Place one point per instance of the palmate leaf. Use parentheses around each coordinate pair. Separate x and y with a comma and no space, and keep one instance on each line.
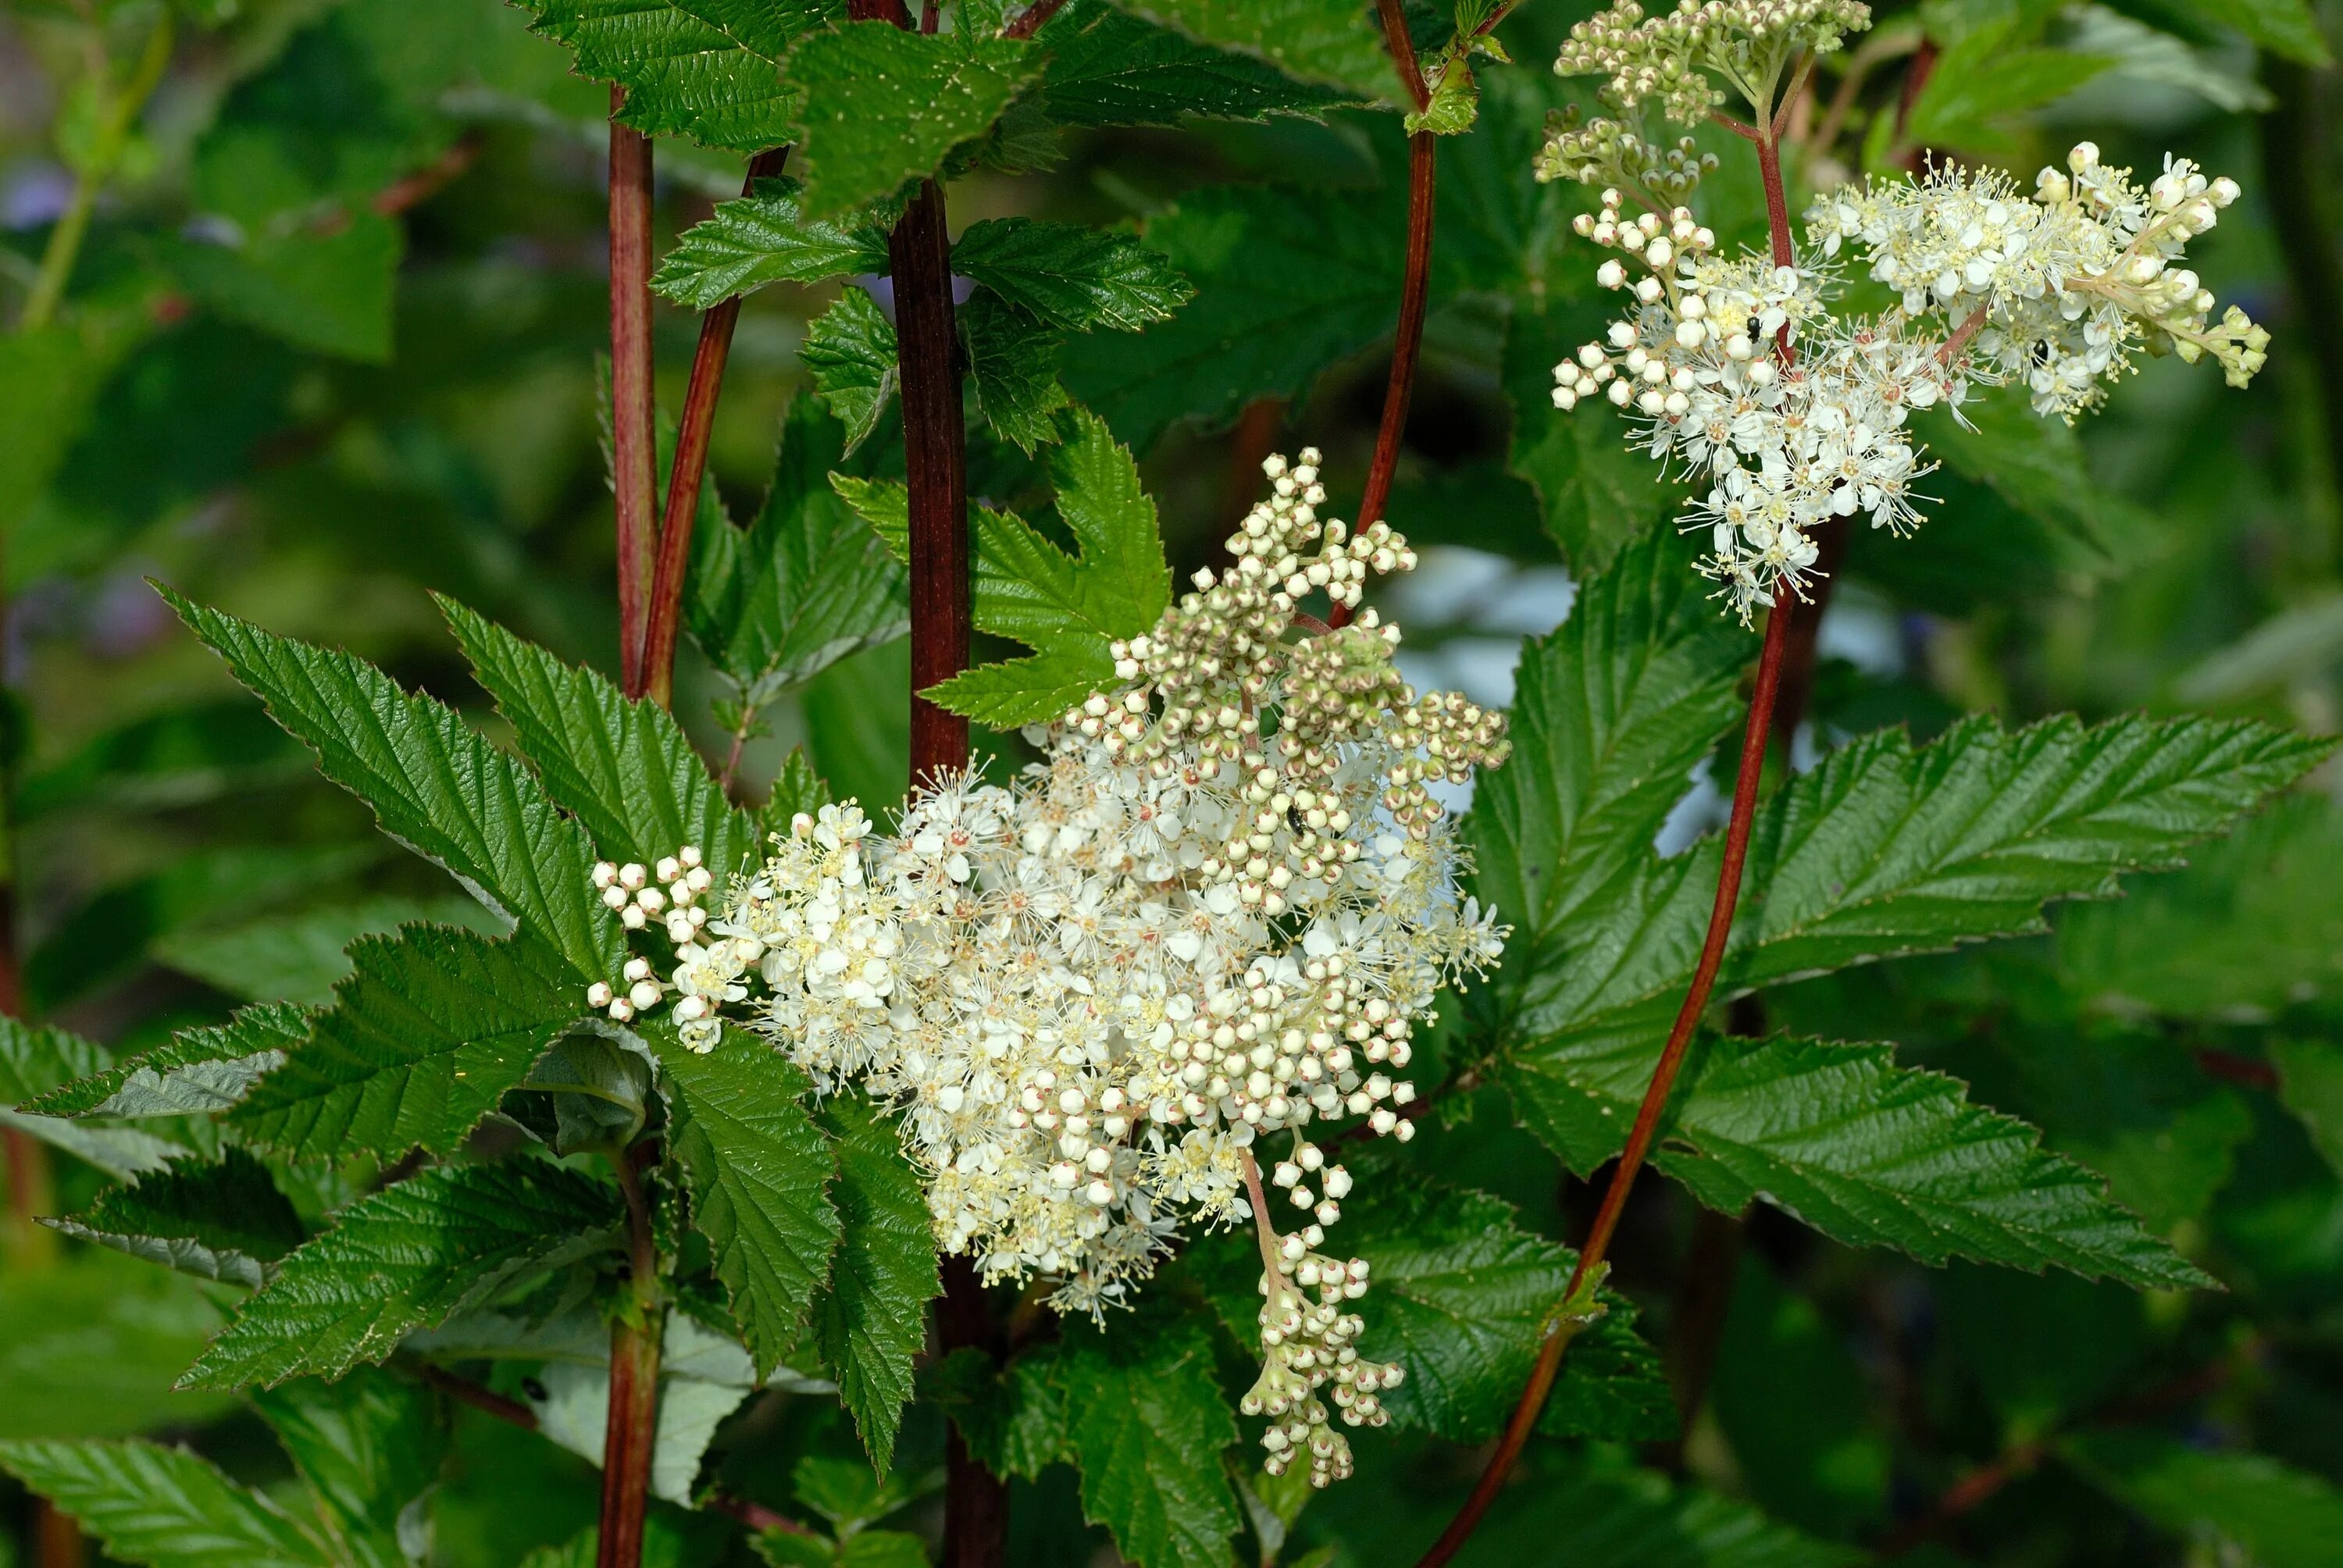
(621,767)
(197,1071)
(705,69)
(1460,1299)
(366,1448)
(883,104)
(1287,282)
(758,1169)
(221,1220)
(163,1506)
(404,1258)
(430,1029)
(765,237)
(872,1319)
(434,785)
(1317,40)
(1108,68)
(804,584)
(1070,275)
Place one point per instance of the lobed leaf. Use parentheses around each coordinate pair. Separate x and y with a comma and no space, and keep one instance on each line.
(1013,359)
(408,1257)
(873,1320)
(1146,1426)
(1070,275)
(705,69)
(222,1220)
(765,237)
(850,352)
(883,104)
(197,1071)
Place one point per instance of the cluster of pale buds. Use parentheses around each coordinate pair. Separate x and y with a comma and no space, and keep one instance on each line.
(668,892)
(1670,56)
(1309,1164)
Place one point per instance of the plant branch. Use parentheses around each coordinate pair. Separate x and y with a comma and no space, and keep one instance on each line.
(689,466)
(630,1428)
(935,461)
(634,459)
(419,186)
(1416,286)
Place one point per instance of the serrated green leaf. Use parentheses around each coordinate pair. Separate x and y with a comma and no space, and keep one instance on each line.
(884,104)
(163,1506)
(221,1220)
(1611,713)
(623,768)
(298,958)
(872,1318)
(435,786)
(797,787)
(430,1029)
(1013,358)
(34,1061)
(850,352)
(1869,1153)
(1147,1426)
(404,1258)
(1597,493)
(758,1168)
(1070,275)
(764,237)
(1316,40)
(707,70)
(197,1071)
(367,1448)
(1110,68)
(1602,1510)
(1885,848)
(1067,609)
(804,584)
(2274,1515)
(1287,282)
(1013,1418)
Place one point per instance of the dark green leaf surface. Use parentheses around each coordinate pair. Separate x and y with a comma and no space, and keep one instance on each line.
(197,1071)
(884,106)
(404,1258)
(435,786)
(1147,1426)
(764,237)
(367,1448)
(1013,358)
(1072,277)
(1329,41)
(622,768)
(850,352)
(872,1318)
(1110,68)
(705,69)
(2273,1514)
(223,1220)
(430,1029)
(35,1060)
(758,1168)
(163,1506)
(1598,494)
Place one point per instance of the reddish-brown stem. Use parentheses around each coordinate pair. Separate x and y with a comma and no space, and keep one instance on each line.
(1031,20)
(1664,1076)
(690,465)
(1416,286)
(423,184)
(630,1428)
(634,459)
(935,461)
(1960,338)
(756,1516)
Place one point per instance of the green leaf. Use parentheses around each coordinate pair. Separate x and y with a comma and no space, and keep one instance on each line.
(707,70)
(327,286)
(194,1073)
(50,378)
(884,104)
(1147,1429)
(2285,27)
(850,352)
(1598,494)
(1072,276)
(575,1410)
(435,786)
(1067,609)
(223,1220)
(163,1506)
(1611,713)
(1868,1153)
(2275,1516)
(179,757)
(1816,1460)
(1602,1510)
(404,1258)
(621,767)
(804,584)
(1455,101)
(1885,848)
(1014,360)
(2038,468)
(367,1448)
(2310,1084)
(1287,282)
(1986,78)
(35,1060)
(1013,1418)
(298,958)
(1316,40)
(765,237)
(1109,68)
(757,1167)
(797,787)
(872,1319)
(89,1347)
(430,1029)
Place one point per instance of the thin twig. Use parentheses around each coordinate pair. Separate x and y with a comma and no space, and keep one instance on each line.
(419,185)
(665,613)
(634,461)
(117,113)
(756,1516)
(1877,49)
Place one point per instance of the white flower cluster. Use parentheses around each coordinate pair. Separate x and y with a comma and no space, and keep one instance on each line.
(1216,910)
(1668,56)
(631,891)
(1735,368)
(2067,281)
